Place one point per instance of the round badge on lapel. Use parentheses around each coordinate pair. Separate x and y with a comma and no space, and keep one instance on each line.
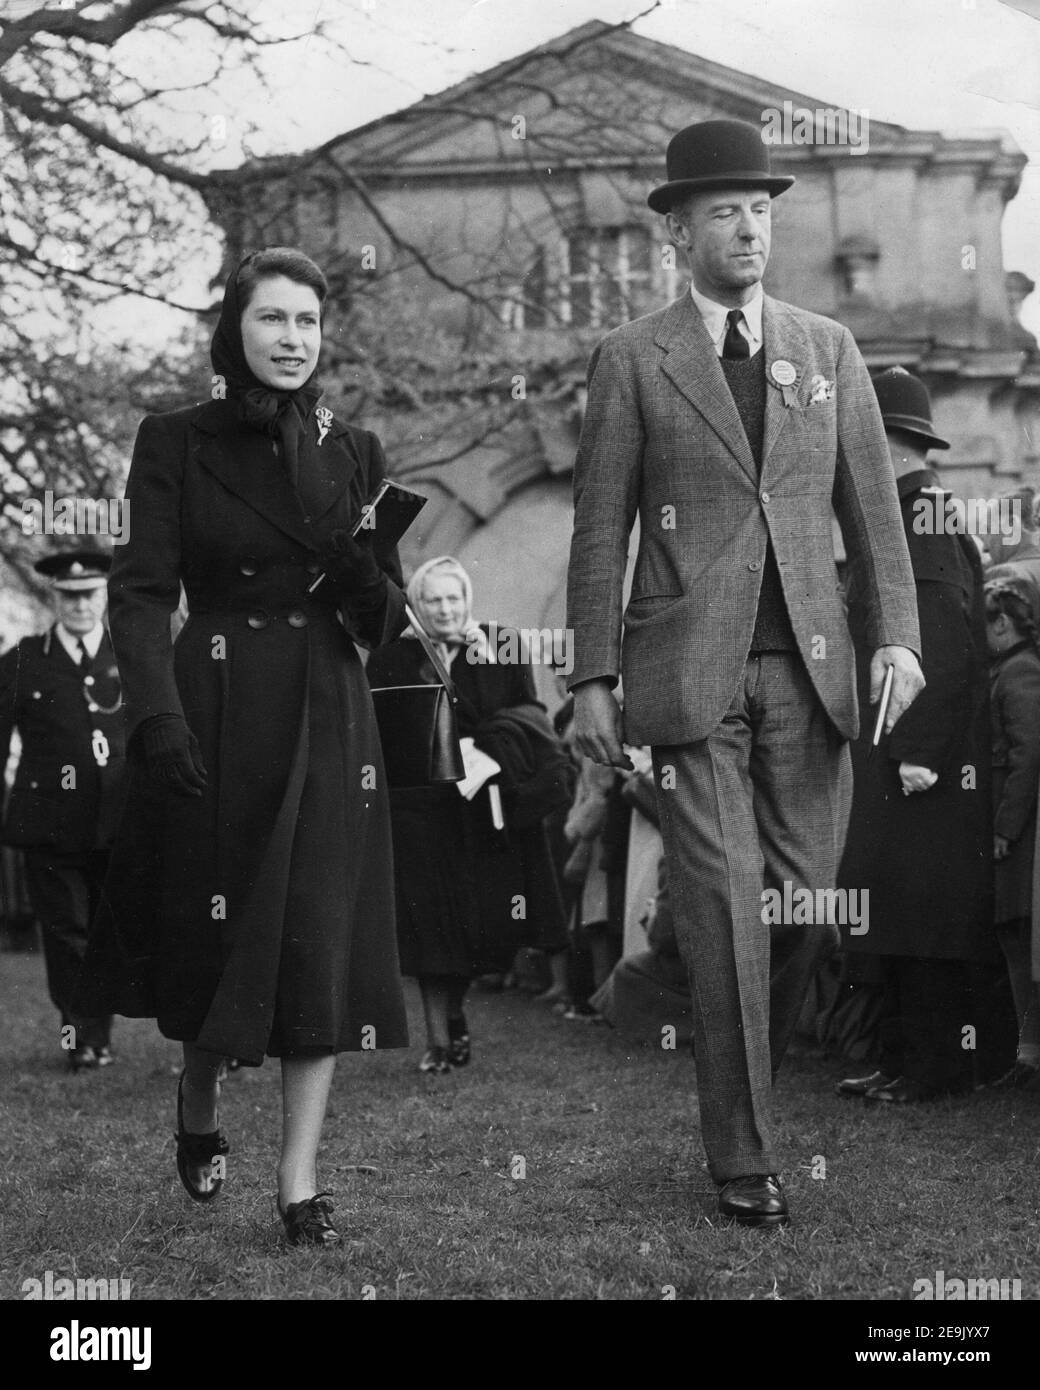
(783,373)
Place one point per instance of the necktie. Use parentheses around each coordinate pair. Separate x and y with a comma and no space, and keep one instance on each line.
(735,345)
(84,655)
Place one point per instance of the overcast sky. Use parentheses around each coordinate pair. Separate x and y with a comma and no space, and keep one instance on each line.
(934,64)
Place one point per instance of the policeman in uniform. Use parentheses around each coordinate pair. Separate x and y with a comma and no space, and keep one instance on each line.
(61,691)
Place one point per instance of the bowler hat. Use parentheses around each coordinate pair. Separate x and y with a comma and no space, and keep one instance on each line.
(72,571)
(716,154)
(905,405)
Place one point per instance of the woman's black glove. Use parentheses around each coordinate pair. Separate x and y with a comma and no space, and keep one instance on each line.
(354,569)
(171,754)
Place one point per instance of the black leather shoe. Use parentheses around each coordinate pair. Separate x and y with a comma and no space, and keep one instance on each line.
(902,1092)
(858,1086)
(83,1059)
(755,1200)
(310,1222)
(435,1060)
(458,1047)
(195,1157)
(1020,1076)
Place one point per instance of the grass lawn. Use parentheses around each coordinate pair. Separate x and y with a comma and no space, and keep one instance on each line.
(614,1203)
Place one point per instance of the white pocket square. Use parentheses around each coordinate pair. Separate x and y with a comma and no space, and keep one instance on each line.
(820,389)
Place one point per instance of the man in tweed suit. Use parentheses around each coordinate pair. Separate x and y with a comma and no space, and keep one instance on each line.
(732,425)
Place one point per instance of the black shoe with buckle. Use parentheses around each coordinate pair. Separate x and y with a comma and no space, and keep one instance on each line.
(197,1156)
(755,1200)
(310,1222)
(458,1047)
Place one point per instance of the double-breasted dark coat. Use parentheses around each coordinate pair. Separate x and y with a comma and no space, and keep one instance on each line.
(258,918)
(48,698)
(927,858)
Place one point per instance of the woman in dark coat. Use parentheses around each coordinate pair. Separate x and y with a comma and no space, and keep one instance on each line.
(920,837)
(1013,617)
(468,894)
(249,907)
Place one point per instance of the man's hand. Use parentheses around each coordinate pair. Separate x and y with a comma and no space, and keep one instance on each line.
(916,778)
(907,680)
(597,724)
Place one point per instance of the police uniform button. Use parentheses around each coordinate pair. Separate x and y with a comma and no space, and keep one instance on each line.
(752,564)
(33,786)
(37,695)
(257,620)
(248,566)
(88,680)
(297,619)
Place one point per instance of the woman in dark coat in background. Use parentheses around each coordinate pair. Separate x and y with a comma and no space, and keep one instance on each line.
(249,906)
(1013,630)
(920,833)
(468,895)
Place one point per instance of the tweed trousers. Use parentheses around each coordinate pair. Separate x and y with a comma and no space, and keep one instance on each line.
(763,801)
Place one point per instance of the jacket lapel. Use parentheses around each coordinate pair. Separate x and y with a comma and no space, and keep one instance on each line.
(784,340)
(326,469)
(245,462)
(693,365)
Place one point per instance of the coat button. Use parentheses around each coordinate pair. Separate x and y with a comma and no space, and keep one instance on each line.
(33,786)
(765,496)
(297,619)
(248,565)
(752,564)
(257,620)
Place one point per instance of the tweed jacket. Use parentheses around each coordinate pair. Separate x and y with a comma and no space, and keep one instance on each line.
(663,441)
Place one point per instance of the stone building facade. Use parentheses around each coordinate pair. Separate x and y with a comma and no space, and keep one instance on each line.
(503,229)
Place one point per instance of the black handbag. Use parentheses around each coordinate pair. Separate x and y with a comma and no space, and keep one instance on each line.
(417,726)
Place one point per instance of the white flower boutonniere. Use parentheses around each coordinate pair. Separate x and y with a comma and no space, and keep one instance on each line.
(323,415)
(820,390)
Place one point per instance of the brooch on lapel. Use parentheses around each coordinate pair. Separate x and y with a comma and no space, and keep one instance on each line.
(820,390)
(323,415)
(784,374)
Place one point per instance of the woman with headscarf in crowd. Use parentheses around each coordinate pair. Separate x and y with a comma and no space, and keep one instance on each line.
(249,906)
(468,893)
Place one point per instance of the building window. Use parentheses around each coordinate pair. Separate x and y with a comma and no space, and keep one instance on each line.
(591,278)
(605,276)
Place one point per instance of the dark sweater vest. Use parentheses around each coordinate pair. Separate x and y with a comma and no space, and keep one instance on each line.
(746,378)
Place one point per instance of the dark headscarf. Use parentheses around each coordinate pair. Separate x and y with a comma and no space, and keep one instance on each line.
(278,413)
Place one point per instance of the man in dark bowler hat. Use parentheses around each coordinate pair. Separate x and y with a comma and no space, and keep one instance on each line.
(61,692)
(731,424)
(921,834)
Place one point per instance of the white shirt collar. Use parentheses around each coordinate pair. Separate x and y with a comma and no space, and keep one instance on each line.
(714,316)
(71,640)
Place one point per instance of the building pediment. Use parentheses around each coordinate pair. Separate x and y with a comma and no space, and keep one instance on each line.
(594,90)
